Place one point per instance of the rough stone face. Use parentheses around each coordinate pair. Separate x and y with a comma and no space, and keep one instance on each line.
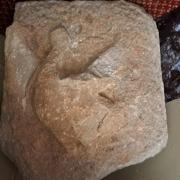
(83,92)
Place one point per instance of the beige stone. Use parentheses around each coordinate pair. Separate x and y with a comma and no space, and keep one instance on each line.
(83,93)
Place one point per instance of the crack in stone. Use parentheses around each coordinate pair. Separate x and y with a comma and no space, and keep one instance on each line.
(101,122)
(102,94)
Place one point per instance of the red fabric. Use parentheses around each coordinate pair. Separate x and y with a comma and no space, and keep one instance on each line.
(155,7)
(158,8)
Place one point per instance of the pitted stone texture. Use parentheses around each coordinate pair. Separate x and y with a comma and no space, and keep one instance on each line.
(83,93)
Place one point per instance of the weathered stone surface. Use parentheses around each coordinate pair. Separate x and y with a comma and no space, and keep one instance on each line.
(1,66)
(83,92)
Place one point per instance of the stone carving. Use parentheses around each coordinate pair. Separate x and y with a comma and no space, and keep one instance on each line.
(83,92)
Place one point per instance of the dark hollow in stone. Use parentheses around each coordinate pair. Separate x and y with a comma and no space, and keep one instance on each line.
(169,31)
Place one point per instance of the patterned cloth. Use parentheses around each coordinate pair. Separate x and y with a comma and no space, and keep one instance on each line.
(155,7)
